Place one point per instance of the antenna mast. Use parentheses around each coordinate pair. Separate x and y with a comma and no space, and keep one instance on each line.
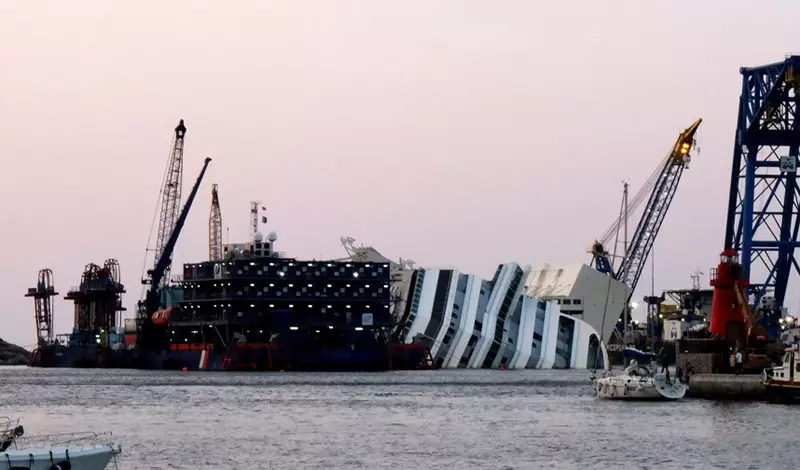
(254,216)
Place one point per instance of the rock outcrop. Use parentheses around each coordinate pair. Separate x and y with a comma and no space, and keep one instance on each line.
(13,355)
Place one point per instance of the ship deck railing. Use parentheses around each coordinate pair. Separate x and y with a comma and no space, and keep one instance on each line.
(7,424)
(63,439)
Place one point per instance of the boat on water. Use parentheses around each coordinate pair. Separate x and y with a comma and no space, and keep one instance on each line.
(60,451)
(256,309)
(782,381)
(253,309)
(640,381)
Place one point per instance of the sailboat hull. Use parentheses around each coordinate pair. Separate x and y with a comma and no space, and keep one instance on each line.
(633,387)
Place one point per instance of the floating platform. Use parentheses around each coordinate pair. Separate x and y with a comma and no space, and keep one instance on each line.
(727,387)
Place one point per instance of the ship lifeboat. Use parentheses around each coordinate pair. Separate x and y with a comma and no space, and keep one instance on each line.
(161,317)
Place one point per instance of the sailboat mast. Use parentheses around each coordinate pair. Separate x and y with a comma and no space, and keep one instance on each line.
(625,250)
(651,321)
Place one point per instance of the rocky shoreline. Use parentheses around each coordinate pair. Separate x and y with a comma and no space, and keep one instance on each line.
(13,355)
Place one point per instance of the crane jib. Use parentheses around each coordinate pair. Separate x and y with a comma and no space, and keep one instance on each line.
(153,295)
(656,210)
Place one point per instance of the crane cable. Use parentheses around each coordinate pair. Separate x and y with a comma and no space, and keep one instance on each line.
(635,202)
(156,213)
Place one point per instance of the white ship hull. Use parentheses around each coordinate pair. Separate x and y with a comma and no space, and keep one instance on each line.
(474,323)
(80,458)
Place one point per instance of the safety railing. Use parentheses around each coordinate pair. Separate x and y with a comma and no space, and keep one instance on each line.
(65,439)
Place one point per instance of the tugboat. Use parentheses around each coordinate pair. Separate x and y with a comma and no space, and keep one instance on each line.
(640,381)
(782,383)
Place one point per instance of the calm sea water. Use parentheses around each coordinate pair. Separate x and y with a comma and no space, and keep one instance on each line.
(446,419)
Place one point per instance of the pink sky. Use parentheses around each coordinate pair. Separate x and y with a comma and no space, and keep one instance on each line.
(452,132)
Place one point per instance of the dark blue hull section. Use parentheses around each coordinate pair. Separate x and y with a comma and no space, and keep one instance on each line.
(376,358)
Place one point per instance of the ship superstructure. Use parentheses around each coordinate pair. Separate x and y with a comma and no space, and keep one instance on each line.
(274,312)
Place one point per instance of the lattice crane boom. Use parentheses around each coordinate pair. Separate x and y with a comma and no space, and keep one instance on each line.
(171,195)
(215,227)
(633,203)
(656,209)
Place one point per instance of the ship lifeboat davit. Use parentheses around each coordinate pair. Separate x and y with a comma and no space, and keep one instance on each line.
(161,317)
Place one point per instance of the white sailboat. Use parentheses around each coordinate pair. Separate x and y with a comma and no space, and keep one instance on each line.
(61,451)
(640,381)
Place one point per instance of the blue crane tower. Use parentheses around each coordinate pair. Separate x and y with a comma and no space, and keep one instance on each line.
(764,202)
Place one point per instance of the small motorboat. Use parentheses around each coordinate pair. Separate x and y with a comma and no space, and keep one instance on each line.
(783,381)
(61,451)
(639,381)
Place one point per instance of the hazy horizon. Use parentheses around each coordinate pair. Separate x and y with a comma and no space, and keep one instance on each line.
(452,133)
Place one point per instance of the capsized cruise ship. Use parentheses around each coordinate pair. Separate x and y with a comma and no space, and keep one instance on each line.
(520,319)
